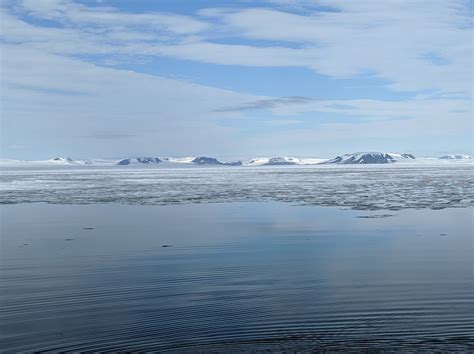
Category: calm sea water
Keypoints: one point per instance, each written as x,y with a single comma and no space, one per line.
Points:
234,277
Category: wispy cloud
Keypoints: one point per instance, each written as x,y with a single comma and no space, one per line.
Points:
382,38
177,115
132,26
270,103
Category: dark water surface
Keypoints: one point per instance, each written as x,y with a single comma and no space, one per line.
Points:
234,277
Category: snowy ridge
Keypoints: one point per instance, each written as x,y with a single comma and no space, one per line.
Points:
275,161
139,160
57,161
282,161
455,157
68,161
178,159
358,158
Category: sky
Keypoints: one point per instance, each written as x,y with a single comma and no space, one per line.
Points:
122,78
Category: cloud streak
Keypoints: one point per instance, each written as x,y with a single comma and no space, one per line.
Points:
270,103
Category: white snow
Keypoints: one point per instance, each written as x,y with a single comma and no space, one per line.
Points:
171,162
57,161
188,159
311,161
456,157
282,160
372,158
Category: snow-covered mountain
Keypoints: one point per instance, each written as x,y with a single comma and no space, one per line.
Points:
197,161
62,160
177,160
55,162
170,161
139,161
203,160
282,161
67,161
407,156
359,158
455,157
273,161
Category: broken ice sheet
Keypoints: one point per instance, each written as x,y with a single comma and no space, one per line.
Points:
357,187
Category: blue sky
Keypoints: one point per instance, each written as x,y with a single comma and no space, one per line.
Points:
116,78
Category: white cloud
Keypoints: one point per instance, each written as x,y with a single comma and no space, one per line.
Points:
69,12
390,39
49,94
50,99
